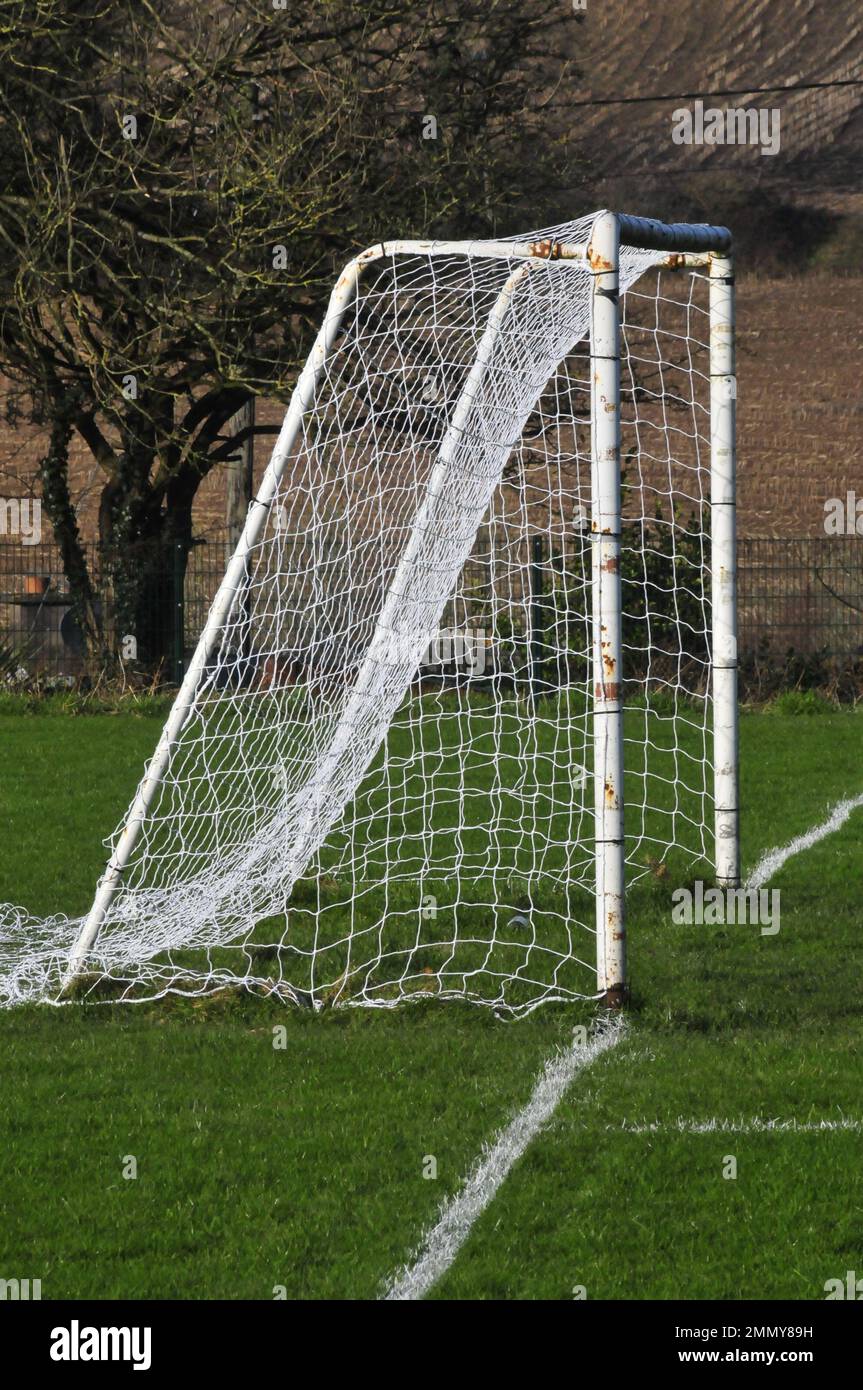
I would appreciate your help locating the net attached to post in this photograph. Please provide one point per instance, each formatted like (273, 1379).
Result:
(383, 790)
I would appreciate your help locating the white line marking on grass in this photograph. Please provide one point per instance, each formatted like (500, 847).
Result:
(753, 1126)
(458, 1213)
(772, 861)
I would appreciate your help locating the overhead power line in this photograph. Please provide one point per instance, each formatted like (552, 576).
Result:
(722, 92)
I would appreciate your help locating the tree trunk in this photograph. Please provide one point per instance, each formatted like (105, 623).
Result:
(240, 475)
(54, 477)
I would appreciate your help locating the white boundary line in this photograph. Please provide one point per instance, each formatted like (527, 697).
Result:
(770, 863)
(457, 1215)
(757, 1125)
(443, 1241)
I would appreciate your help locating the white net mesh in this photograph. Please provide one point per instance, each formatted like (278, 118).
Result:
(383, 787)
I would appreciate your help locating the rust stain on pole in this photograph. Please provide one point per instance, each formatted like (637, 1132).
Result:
(598, 262)
(547, 249)
(609, 691)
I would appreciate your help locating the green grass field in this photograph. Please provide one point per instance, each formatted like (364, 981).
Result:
(302, 1166)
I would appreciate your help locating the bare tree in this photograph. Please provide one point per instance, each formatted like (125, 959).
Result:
(182, 181)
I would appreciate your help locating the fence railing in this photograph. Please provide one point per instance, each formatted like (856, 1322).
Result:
(802, 595)
(800, 600)
(39, 630)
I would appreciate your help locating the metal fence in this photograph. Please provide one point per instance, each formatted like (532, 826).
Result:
(40, 636)
(800, 606)
(804, 596)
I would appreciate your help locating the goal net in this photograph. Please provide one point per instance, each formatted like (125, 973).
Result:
(381, 779)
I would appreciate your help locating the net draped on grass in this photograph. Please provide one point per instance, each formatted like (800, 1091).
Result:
(383, 788)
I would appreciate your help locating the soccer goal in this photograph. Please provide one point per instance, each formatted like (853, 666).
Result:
(470, 677)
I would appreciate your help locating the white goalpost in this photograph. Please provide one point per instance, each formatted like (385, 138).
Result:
(470, 676)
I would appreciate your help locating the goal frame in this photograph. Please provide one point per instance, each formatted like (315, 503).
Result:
(697, 246)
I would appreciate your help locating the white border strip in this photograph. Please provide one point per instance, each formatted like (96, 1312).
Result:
(757, 1125)
(774, 859)
(458, 1213)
